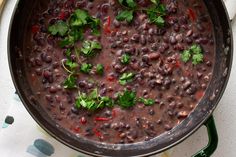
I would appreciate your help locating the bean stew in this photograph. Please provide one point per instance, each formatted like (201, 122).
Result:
(120, 71)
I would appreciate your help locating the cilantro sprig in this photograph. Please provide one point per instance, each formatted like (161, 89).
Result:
(194, 53)
(156, 12)
(93, 101)
(73, 29)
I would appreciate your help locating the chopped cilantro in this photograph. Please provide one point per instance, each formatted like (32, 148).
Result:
(195, 53)
(70, 82)
(89, 48)
(100, 69)
(125, 59)
(127, 99)
(60, 28)
(147, 102)
(126, 78)
(93, 101)
(86, 68)
(126, 15)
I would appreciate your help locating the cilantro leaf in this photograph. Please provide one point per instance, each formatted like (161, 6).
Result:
(186, 55)
(125, 59)
(126, 78)
(100, 69)
(197, 58)
(147, 102)
(89, 48)
(94, 24)
(86, 68)
(79, 18)
(156, 14)
(128, 3)
(126, 15)
(72, 65)
(73, 36)
(127, 99)
(60, 28)
(70, 82)
(155, 1)
(196, 49)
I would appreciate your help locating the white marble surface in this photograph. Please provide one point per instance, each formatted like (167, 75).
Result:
(225, 114)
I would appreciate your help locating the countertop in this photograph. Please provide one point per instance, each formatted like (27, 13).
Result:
(225, 114)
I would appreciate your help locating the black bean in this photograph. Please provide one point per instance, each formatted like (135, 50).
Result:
(116, 23)
(52, 89)
(74, 110)
(135, 37)
(187, 84)
(143, 40)
(49, 98)
(154, 56)
(172, 40)
(167, 127)
(151, 112)
(182, 114)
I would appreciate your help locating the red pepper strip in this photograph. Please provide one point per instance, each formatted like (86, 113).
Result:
(102, 119)
(96, 132)
(192, 14)
(113, 113)
(199, 94)
(35, 29)
(107, 25)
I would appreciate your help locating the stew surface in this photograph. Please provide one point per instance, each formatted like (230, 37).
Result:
(120, 71)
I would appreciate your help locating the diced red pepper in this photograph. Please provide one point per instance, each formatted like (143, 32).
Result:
(199, 94)
(177, 64)
(76, 129)
(191, 14)
(96, 132)
(107, 25)
(102, 119)
(110, 78)
(35, 29)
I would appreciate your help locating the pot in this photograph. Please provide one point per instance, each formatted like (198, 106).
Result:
(202, 114)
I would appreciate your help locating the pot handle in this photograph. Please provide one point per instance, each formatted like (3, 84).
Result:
(213, 139)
